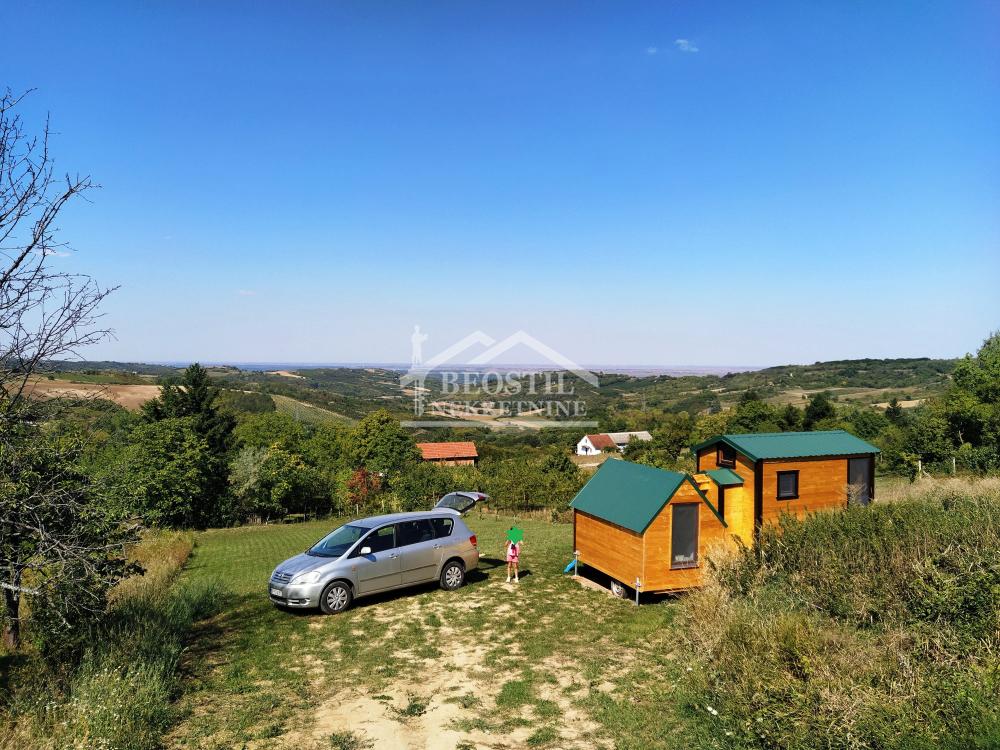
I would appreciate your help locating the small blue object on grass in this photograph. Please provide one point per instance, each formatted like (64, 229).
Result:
(569, 567)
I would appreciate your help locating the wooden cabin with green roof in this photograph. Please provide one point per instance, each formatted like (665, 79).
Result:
(639, 523)
(792, 472)
(653, 528)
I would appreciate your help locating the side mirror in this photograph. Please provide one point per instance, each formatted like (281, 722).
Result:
(365, 551)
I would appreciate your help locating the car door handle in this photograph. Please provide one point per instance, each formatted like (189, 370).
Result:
(393, 556)
(437, 546)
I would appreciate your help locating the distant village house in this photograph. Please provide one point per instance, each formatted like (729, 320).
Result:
(450, 454)
(591, 445)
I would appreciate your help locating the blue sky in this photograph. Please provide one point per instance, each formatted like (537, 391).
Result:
(631, 183)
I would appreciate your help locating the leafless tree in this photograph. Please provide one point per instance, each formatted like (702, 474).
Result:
(52, 529)
(45, 313)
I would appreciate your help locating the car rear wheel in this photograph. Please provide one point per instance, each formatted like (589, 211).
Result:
(452, 576)
(335, 598)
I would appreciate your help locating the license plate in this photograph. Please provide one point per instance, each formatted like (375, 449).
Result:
(275, 592)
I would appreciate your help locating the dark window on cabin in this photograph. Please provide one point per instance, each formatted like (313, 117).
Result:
(684, 535)
(726, 456)
(788, 485)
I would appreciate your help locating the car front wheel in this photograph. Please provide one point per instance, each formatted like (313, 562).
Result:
(335, 598)
(452, 576)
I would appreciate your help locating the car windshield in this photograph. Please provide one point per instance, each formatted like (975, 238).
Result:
(337, 542)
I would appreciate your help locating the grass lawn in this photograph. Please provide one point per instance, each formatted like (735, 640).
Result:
(546, 663)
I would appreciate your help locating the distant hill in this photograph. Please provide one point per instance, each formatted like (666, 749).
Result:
(347, 393)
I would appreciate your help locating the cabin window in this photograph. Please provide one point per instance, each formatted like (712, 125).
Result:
(727, 456)
(684, 535)
(788, 485)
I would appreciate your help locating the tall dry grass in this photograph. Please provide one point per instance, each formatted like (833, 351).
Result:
(873, 628)
(119, 696)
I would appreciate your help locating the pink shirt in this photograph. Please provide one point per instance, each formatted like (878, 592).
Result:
(513, 552)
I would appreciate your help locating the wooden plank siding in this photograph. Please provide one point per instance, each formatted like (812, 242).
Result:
(822, 486)
(657, 574)
(607, 547)
(739, 512)
(739, 500)
(744, 466)
(625, 555)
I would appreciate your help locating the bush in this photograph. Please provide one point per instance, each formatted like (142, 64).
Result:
(120, 696)
(867, 628)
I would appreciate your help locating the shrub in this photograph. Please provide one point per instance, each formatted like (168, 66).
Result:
(120, 696)
(868, 628)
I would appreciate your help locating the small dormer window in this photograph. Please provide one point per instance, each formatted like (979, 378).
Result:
(726, 456)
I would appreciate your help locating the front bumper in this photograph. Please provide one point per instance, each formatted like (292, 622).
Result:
(286, 595)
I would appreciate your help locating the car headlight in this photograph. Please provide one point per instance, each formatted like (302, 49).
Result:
(311, 577)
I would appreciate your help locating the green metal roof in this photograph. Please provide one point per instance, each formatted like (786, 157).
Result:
(631, 495)
(627, 494)
(769, 445)
(725, 477)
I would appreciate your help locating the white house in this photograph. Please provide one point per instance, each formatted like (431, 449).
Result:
(591, 445)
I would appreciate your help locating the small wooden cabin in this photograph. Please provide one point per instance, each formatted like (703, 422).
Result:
(636, 522)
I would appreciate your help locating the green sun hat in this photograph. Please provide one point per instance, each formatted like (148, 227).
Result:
(515, 534)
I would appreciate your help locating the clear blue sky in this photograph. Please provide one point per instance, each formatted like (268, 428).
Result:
(642, 183)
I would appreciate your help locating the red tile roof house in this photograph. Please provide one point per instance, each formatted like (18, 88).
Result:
(450, 454)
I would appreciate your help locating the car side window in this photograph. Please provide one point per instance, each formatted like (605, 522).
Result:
(381, 539)
(442, 527)
(413, 532)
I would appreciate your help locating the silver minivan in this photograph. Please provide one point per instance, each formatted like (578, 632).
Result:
(378, 554)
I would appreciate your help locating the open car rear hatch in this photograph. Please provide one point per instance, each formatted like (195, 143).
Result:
(461, 502)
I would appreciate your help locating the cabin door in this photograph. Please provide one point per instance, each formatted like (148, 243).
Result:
(859, 473)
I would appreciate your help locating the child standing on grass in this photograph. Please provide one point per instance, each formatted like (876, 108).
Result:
(513, 550)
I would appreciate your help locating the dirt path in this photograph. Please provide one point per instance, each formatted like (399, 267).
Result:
(544, 663)
(458, 698)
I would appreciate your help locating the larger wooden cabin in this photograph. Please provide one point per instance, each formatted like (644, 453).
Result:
(793, 472)
(652, 529)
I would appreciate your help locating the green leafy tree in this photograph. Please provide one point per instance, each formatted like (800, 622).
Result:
(819, 408)
(265, 430)
(425, 483)
(328, 448)
(753, 415)
(928, 437)
(164, 475)
(790, 419)
(868, 424)
(273, 482)
(972, 405)
(894, 412)
(60, 542)
(380, 445)
(194, 399)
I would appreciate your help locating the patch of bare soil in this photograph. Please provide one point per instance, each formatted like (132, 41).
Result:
(448, 702)
(286, 374)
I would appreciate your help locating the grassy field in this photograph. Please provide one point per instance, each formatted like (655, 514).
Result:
(545, 663)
